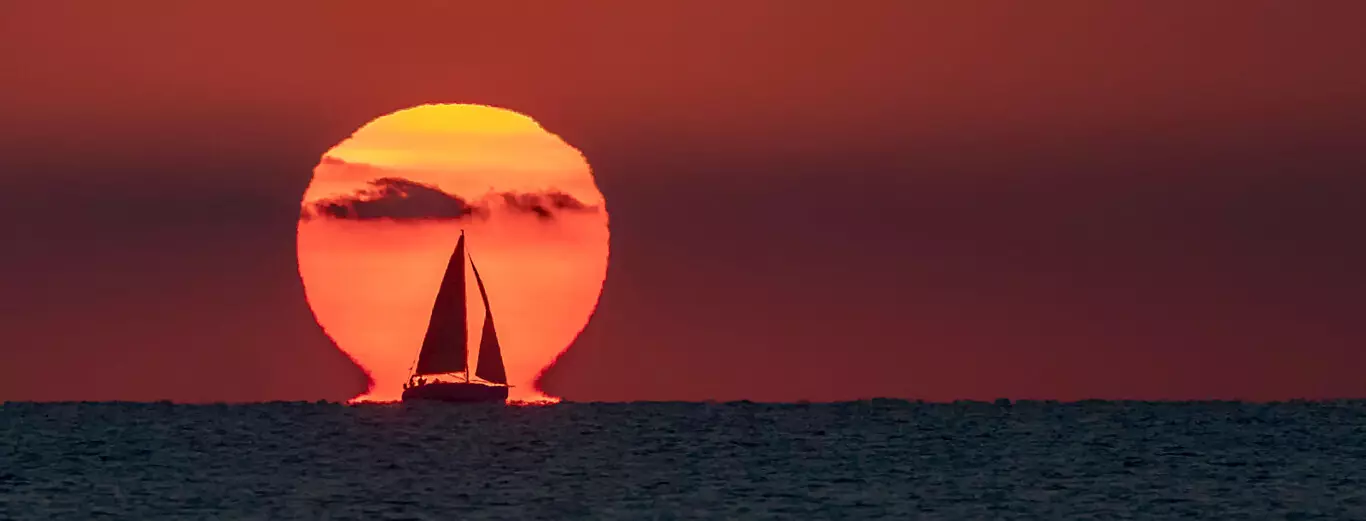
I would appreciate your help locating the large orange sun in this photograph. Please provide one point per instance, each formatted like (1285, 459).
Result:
(386, 205)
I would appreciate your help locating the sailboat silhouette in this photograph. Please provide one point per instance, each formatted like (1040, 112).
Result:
(445, 348)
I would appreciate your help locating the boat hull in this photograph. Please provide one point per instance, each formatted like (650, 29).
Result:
(457, 392)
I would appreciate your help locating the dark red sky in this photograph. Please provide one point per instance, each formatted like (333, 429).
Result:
(809, 200)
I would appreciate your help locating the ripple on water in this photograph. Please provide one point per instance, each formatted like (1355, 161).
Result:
(870, 459)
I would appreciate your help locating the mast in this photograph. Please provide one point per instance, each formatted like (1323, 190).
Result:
(445, 348)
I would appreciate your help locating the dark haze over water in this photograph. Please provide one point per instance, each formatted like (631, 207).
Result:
(858, 460)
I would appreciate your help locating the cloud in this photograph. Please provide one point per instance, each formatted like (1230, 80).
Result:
(544, 205)
(395, 199)
(398, 199)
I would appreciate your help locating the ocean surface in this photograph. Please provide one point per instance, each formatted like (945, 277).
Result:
(878, 459)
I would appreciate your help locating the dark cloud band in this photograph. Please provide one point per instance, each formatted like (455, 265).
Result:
(398, 199)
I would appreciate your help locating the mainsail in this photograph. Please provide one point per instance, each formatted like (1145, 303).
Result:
(490, 364)
(445, 349)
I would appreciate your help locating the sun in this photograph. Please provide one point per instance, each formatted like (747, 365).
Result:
(381, 215)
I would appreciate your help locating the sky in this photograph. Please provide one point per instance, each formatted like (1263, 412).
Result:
(809, 200)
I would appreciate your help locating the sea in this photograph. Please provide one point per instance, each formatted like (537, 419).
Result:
(874, 459)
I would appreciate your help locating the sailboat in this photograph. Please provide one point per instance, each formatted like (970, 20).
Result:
(442, 372)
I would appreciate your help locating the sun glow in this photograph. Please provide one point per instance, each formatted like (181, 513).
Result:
(464, 143)
(381, 215)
